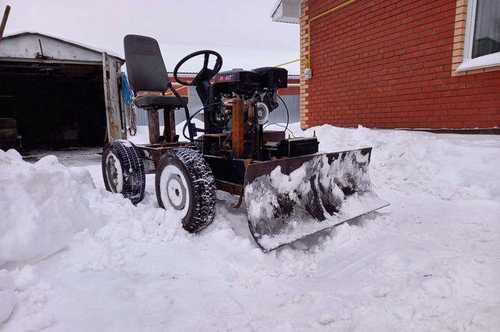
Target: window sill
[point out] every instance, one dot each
(485, 61)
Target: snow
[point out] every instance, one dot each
(300, 224)
(263, 196)
(42, 204)
(428, 262)
(7, 296)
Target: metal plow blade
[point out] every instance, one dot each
(288, 199)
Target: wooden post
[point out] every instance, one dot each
(113, 107)
(238, 130)
(169, 125)
(4, 20)
(154, 126)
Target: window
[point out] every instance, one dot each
(482, 37)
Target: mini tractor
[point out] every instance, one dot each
(289, 189)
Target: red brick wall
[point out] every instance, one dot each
(289, 91)
(388, 64)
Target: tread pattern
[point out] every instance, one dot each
(200, 178)
(134, 177)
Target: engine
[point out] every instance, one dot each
(237, 105)
(258, 86)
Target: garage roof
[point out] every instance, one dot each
(42, 47)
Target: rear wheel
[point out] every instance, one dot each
(123, 170)
(185, 186)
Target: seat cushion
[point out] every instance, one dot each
(157, 102)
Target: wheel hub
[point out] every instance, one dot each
(176, 191)
(114, 173)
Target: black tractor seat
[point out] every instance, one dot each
(148, 75)
(160, 102)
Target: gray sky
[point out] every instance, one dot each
(241, 30)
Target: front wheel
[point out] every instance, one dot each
(185, 186)
(123, 170)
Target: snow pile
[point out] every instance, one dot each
(429, 262)
(42, 206)
(7, 296)
(449, 166)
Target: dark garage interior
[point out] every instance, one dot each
(55, 105)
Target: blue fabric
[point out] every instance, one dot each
(127, 93)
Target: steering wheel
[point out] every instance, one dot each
(205, 74)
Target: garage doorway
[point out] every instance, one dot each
(55, 105)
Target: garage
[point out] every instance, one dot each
(57, 94)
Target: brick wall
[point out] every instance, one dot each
(391, 64)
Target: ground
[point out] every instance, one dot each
(75, 257)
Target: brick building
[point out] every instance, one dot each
(421, 64)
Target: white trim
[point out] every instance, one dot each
(469, 28)
(485, 61)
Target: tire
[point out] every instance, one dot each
(123, 170)
(185, 185)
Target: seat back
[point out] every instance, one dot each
(145, 67)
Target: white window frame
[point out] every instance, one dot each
(485, 61)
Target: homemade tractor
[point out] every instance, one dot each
(290, 191)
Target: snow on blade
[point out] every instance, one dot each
(300, 226)
(325, 191)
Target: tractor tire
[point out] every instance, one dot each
(185, 186)
(123, 170)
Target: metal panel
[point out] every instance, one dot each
(34, 46)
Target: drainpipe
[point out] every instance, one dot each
(4, 20)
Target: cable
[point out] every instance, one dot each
(287, 112)
(281, 126)
(192, 116)
(287, 119)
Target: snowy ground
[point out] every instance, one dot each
(76, 258)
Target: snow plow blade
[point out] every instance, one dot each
(291, 198)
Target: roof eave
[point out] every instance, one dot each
(66, 41)
(286, 11)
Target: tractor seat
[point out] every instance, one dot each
(159, 102)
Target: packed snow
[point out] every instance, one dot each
(43, 205)
(74, 257)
